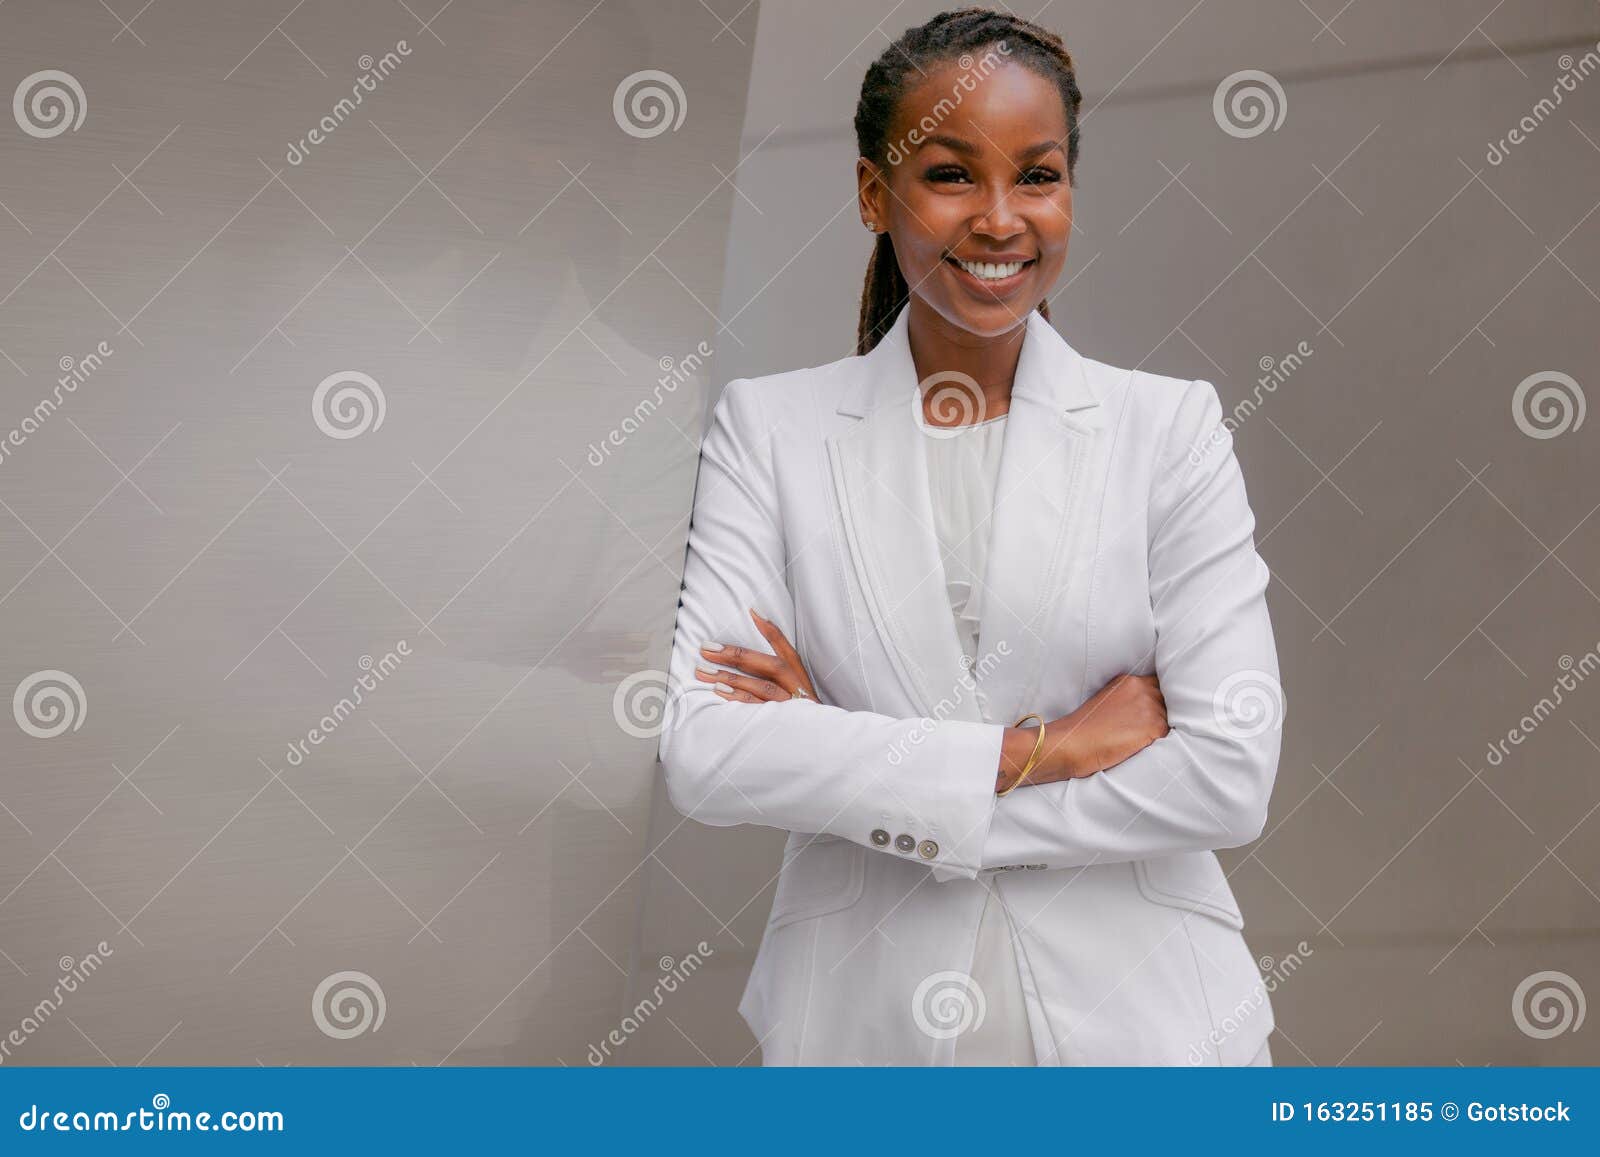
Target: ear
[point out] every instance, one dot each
(872, 194)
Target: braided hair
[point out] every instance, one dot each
(948, 36)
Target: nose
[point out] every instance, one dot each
(1000, 220)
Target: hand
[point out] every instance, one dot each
(767, 678)
(1125, 716)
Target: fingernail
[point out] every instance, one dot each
(723, 689)
(711, 648)
(753, 614)
(706, 672)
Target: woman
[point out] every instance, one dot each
(965, 528)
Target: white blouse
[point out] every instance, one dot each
(963, 465)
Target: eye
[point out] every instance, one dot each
(946, 173)
(1040, 175)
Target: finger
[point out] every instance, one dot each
(745, 658)
(796, 674)
(781, 646)
(723, 685)
(720, 678)
(773, 634)
(759, 690)
(763, 689)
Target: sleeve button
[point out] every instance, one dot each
(879, 837)
(927, 849)
(904, 843)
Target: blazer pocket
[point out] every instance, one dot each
(826, 873)
(1190, 880)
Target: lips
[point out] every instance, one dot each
(992, 277)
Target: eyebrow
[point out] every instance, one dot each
(967, 149)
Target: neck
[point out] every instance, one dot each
(940, 347)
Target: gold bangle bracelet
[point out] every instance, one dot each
(1033, 760)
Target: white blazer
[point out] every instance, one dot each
(1122, 542)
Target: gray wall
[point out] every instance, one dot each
(485, 838)
(1406, 517)
(183, 538)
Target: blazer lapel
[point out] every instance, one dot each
(1038, 520)
(881, 479)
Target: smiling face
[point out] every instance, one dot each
(980, 210)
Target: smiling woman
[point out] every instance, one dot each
(977, 268)
(899, 558)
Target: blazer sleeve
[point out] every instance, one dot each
(1206, 783)
(799, 765)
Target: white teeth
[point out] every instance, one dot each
(989, 271)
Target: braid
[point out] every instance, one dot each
(948, 36)
(882, 296)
